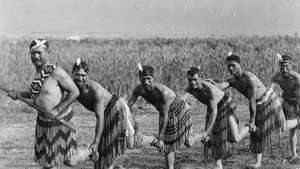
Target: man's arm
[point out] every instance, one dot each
(65, 82)
(133, 98)
(186, 93)
(273, 81)
(99, 113)
(25, 94)
(213, 110)
(163, 121)
(252, 101)
(15, 94)
(223, 85)
(298, 93)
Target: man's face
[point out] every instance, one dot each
(79, 77)
(39, 56)
(234, 68)
(285, 68)
(193, 81)
(147, 82)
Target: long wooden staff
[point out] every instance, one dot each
(31, 104)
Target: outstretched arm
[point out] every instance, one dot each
(222, 85)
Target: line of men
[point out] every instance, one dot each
(116, 129)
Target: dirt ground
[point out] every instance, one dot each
(17, 130)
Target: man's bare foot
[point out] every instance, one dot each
(253, 166)
(192, 140)
(82, 155)
(294, 160)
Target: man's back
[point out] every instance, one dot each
(159, 96)
(246, 83)
(94, 93)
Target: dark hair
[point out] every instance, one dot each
(286, 58)
(233, 58)
(33, 43)
(193, 70)
(82, 65)
(147, 71)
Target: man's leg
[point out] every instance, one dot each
(81, 155)
(293, 142)
(170, 159)
(193, 139)
(238, 136)
(111, 166)
(292, 126)
(219, 164)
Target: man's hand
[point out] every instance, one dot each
(252, 127)
(12, 94)
(205, 138)
(53, 114)
(159, 144)
(211, 81)
(94, 156)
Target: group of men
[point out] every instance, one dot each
(54, 90)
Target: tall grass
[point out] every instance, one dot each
(114, 62)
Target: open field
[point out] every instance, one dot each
(113, 64)
(17, 140)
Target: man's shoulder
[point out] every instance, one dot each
(296, 75)
(276, 76)
(163, 87)
(251, 77)
(249, 74)
(95, 85)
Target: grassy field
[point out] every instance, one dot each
(114, 64)
(17, 140)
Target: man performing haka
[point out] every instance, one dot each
(289, 82)
(174, 115)
(221, 119)
(114, 131)
(54, 91)
(265, 108)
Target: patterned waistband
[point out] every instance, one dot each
(42, 117)
(264, 98)
(226, 99)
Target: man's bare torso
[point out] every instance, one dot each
(51, 93)
(207, 92)
(160, 96)
(94, 92)
(288, 85)
(243, 85)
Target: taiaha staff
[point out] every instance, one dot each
(31, 104)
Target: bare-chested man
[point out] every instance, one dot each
(221, 119)
(174, 115)
(289, 82)
(265, 108)
(54, 90)
(114, 131)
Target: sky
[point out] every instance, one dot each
(142, 17)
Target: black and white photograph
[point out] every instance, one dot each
(149, 84)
